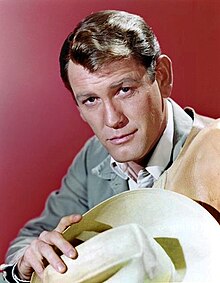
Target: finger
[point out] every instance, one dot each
(67, 221)
(47, 253)
(40, 255)
(24, 268)
(38, 266)
(56, 239)
(31, 261)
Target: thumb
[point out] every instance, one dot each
(66, 221)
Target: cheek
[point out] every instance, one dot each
(93, 120)
(138, 110)
(82, 116)
(147, 115)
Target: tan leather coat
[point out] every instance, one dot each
(196, 171)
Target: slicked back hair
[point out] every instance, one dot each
(108, 36)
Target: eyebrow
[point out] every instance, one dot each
(83, 96)
(124, 80)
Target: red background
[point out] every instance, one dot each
(40, 129)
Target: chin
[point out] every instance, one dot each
(124, 157)
(135, 154)
(126, 152)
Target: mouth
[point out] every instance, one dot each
(117, 140)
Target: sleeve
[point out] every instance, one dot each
(9, 274)
(71, 198)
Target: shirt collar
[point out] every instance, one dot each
(161, 154)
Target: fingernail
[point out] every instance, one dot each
(71, 254)
(76, 217)
(61, 267)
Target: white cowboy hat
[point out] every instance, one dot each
(157, 236)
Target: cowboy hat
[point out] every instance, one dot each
(146, 235)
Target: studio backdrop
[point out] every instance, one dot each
(40, 128)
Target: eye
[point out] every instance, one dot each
(125, 91)
(90, 101)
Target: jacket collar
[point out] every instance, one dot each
(183, 123)
(103, 169)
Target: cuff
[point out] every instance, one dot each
(9, 274)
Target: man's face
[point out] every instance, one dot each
(123, 107)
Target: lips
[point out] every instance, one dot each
(120, 139)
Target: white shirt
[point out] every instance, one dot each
(157, 163)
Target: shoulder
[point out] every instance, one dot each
(94, 147)
(205, 136)
(196, 171)
(210, 135)
(199, 121)
(92, 153)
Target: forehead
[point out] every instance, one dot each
(107, 74)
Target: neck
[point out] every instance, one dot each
(135, 167)
(141, 164)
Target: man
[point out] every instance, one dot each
(120, 81)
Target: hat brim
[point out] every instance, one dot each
(163, 214)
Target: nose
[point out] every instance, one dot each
(114, 116)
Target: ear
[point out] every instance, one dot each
(164, 75)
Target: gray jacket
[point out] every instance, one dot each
(89, 181)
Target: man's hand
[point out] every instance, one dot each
(41, 251)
